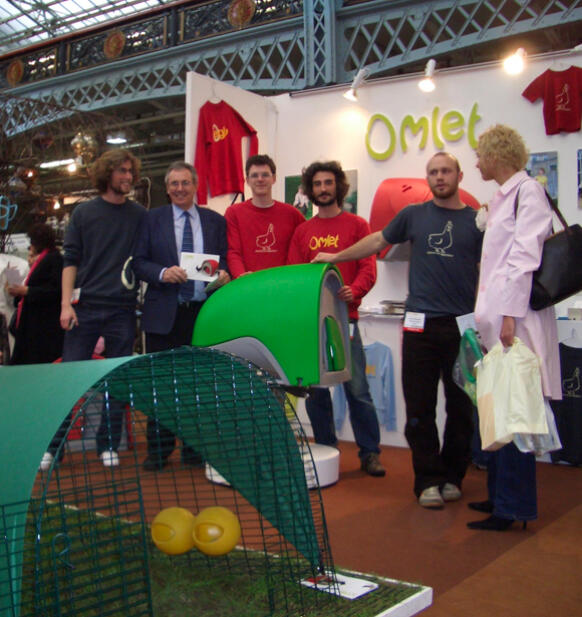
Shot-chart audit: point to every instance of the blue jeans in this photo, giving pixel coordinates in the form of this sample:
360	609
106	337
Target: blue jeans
511	483
117	326
363	416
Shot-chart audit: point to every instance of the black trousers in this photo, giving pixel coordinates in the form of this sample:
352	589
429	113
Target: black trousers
427	357
161	441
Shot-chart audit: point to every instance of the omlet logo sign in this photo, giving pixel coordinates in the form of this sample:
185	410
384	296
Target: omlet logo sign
449	127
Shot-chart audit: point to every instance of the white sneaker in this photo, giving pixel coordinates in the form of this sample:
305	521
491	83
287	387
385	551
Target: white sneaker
46	461
431	498
451	492
110	458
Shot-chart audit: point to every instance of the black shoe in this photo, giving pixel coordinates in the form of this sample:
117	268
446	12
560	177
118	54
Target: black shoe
494	523
154	463
193	460
481	506
372	465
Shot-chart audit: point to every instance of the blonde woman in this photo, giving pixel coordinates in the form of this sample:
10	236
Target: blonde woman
512	250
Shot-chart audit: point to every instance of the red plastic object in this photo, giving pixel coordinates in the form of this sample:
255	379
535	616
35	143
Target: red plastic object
394	194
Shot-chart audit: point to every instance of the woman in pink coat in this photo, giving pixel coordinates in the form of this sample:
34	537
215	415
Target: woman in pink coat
512	249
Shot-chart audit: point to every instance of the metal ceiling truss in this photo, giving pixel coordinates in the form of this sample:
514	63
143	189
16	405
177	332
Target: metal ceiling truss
384	35
291	45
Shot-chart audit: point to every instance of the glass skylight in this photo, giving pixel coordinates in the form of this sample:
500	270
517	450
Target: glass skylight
26	22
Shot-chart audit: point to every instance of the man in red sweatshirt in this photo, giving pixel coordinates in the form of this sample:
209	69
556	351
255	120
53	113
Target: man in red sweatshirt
259	230
333	230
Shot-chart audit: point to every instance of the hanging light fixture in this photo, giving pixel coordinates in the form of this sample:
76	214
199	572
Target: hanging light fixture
426	84
116	139
513	65
359	79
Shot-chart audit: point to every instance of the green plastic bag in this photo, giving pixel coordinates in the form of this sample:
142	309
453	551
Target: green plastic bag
464	373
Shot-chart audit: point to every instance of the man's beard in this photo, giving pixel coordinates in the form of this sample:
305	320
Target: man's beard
119	191
323	204
448	192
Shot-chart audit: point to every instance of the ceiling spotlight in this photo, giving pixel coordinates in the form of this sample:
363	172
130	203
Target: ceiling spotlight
513	65
116	139
59	163
359	79
426	84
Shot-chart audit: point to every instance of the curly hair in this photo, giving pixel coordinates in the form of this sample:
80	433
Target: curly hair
504	145
341	181
261	159
101	170
42	237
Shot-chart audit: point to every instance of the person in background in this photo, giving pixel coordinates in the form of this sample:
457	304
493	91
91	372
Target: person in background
446	247
172	302
512	251
259	229
38	334
326	185
98	289
4	344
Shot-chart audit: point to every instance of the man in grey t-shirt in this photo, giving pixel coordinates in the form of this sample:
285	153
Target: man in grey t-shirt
98	287
446	249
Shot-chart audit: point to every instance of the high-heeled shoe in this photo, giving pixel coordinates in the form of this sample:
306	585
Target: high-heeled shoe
481	506
494	523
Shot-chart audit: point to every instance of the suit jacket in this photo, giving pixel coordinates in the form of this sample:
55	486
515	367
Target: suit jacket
156	249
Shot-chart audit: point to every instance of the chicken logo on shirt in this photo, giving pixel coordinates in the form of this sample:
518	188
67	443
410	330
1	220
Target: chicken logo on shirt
563	99
265	241
219	134
440	242
571	385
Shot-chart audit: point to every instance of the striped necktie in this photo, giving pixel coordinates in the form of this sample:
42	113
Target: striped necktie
186	293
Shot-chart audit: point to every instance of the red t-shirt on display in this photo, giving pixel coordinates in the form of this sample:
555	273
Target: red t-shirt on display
561	92
258	238
218	158
332	236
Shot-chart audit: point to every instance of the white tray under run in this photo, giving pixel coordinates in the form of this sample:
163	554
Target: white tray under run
325	460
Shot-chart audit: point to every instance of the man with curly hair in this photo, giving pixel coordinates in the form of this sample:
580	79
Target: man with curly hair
98	289
326	185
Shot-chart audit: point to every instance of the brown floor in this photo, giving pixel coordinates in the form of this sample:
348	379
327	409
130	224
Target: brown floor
375	525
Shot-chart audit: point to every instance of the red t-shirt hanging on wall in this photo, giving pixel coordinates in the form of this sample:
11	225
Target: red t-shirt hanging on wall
218	158
561	92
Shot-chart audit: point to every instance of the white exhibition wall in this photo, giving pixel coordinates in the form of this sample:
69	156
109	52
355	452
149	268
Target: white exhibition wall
300	128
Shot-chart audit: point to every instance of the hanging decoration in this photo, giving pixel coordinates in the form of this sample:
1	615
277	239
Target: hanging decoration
114	44
240	12
28	175
15	72
84	147
43	139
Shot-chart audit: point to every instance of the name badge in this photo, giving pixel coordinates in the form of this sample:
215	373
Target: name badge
414	322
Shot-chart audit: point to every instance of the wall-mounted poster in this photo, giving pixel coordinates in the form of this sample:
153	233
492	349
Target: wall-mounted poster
297	198
580	179
543	166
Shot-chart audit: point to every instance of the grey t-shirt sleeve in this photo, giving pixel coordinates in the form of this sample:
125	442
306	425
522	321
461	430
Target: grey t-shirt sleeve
398	230
72	245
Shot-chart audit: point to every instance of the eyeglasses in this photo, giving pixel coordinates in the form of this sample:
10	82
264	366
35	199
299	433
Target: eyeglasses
175	184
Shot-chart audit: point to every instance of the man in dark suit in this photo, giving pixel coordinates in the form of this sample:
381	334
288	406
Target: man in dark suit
172	302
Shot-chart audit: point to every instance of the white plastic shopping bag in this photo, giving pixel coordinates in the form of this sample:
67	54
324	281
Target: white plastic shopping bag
509	395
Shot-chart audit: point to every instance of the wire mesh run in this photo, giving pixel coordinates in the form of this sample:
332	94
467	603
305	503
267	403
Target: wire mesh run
87	545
